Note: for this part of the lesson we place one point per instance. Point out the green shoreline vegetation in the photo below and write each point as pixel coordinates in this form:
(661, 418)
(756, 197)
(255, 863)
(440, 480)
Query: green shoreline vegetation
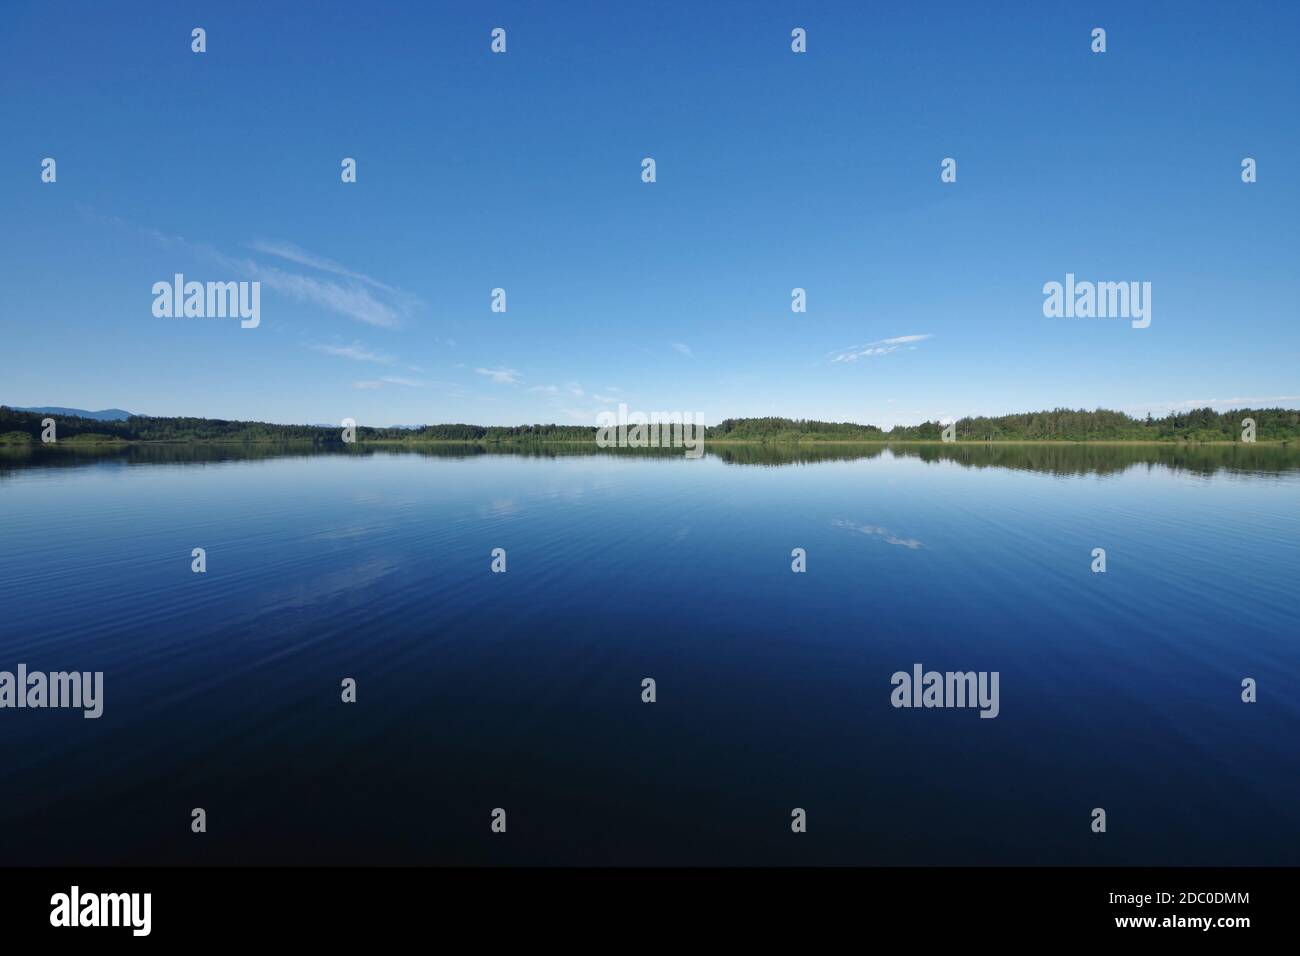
(1059, 426)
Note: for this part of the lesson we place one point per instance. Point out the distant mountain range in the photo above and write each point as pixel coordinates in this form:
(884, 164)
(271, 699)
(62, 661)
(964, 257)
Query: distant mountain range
(103, 415)
(121, 415)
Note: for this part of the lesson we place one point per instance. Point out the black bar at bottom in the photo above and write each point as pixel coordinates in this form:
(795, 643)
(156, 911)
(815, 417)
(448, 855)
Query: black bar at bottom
(341, 905)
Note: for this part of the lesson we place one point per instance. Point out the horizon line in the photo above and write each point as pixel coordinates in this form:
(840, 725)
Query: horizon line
(942, 420)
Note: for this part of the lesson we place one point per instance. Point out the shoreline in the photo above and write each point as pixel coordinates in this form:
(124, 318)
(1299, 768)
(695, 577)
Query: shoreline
(1100, 442)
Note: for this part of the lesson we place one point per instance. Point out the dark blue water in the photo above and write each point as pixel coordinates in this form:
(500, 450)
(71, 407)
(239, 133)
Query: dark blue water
(523, 690)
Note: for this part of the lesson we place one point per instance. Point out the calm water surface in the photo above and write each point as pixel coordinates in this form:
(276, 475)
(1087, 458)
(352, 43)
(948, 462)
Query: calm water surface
(522, 690)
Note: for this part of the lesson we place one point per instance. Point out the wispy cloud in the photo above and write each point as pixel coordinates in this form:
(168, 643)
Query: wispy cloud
(880, 347)
(358, 296)
(683, 349)
(573, 388)
(501, 376)
(353, 300)
(388, 380)
(296, 254)
(559, 398)
(357, 352)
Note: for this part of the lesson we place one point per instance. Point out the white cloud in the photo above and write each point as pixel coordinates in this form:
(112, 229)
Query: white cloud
(362, 298)
(353, 301)
(501, 376)
(287, 250)
(880, 347)
(685, 350)
(357, 352)
(388, 380)
(573, 388)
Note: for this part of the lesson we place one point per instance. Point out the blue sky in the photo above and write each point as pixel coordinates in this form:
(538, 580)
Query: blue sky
(522, 171)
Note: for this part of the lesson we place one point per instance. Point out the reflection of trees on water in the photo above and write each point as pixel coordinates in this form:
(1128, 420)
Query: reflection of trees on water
(1077, 459)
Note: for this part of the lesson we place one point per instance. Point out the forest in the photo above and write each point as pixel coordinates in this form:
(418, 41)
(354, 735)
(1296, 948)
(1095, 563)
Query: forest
(1061, 424)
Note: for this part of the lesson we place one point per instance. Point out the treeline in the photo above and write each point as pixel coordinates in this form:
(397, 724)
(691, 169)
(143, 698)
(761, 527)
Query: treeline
(13, 424)
(1066, 424)
(1062, 424)
(23, 427)
(787, 429)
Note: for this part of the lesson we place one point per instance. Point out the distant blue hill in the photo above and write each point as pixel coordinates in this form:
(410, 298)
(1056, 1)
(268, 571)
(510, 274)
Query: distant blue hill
(103, 415)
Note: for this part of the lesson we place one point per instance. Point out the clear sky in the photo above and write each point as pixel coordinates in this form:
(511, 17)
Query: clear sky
(775, 170)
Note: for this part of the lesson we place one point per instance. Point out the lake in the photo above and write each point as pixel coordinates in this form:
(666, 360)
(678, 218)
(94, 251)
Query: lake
(523, 690)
